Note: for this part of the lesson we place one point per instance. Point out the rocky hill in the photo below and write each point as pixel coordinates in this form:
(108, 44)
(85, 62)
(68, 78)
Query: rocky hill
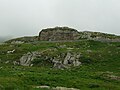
(98, 36)
(67, 34)
(67, 60)
(21, 40)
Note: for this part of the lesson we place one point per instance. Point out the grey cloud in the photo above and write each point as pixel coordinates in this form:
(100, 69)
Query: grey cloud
(28, 17)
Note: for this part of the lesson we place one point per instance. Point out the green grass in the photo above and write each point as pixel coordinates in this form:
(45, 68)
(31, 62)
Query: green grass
(103, 58)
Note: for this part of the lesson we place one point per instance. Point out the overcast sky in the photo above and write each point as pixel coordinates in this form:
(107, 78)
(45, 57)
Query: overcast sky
(28, 17)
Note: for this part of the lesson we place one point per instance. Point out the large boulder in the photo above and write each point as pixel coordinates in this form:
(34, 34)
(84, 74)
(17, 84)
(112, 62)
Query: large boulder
(58, 34)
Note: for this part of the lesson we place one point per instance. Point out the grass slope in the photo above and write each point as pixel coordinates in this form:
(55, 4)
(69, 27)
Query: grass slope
(100, 68)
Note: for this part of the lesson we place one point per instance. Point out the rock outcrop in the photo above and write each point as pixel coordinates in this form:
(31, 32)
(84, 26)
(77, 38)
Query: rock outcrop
(98, 36)
(22, 40)
(58, 62)
(67, 34)
(58, 34)
(68, 61)
(26, 59)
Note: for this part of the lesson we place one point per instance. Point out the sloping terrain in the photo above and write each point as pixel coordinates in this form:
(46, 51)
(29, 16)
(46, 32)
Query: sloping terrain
(99, 68)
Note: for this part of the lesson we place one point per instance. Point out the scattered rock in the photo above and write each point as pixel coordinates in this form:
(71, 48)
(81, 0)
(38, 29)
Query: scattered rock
(64, 88)
(16, 62)
(54, 88)
(42, 87)
(89, 51)
(110, 76)
(17, 42)
(62, 46)
(8, 52)
(113, 77)
(6, 62)
(70, 48)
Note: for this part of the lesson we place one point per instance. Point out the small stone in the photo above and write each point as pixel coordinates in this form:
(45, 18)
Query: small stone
(64, 88)
(6, 62)
(43, 87)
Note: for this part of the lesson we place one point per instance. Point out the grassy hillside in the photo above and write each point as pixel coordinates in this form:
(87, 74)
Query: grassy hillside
(100, 68)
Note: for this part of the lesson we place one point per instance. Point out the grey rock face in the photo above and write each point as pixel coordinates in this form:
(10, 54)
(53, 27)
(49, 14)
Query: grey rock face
(26, 59)
(76, 63)
(58, 62)
(58, 34)
(67, 58)
(59, 65)
(72, 59)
